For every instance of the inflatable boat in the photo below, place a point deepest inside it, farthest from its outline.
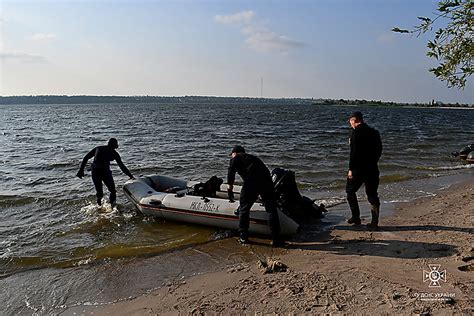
(466, 153)
(180, 200)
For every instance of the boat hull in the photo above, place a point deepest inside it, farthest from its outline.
(180, 206)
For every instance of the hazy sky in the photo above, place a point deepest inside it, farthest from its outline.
(317, 48)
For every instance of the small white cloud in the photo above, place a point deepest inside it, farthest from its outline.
(259, 37)
(241, 17)
(387, 37)
(264, 40)
(43, 37)
(23, 57)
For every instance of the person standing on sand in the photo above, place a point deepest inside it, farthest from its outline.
(101, 172)
(366, 149)
(257, 181)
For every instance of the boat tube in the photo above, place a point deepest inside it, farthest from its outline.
(180, 200)
(470, 157)
(464, 152)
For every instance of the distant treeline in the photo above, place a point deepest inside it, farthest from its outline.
(85, 99)
(433, 103)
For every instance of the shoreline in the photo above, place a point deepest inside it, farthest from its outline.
(339, 270)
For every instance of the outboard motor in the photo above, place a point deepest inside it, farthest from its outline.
(299, 208)
(285, 186)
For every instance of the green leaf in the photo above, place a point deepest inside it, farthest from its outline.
(427, 20)
(398, 30)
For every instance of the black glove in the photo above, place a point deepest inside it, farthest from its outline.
(80, 174)
(230, 194)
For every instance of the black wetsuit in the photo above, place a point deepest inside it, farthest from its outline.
(257, 181)
(366, 149)
(101, 172)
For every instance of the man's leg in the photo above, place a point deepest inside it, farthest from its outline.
(109, 182)
(97, 180)
(268, 199)
(247, 198)
(371, 188)
(352, 186)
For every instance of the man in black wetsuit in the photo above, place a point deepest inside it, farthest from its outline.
(366, 149)
(101, 172)
(257, 181)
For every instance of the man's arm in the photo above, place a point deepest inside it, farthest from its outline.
(378, 145)
(231, 178)
(353, 152)
(91, 154)
(122, 166)
(231, 172)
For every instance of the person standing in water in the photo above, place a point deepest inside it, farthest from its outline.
(366, 149)
(101, 172)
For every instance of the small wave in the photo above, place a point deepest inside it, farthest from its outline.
(15, 200)
(444, 168)
(11, 264)
(39, 181)
(396, 201)
(425, 193)
(84, 262)
(395, 178)
(99, 218)
(31, 307)
(56, 165)
(322, 185)
(104, 210)
(7, 252)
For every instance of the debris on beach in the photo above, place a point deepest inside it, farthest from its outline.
(271, 266)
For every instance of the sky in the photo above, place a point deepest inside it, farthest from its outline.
(297, 48)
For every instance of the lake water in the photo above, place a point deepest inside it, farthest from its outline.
(49, 225)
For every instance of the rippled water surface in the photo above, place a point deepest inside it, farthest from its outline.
(47, 218)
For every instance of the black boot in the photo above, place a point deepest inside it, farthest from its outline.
(374, 224)
(243, 237)
(355, 221)
(354, 206)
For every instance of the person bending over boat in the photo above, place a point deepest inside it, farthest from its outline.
(101, 172)
(366, 149)
(257, 181)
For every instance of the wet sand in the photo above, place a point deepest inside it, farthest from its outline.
(342, 270)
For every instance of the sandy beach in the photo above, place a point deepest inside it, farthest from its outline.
(420, 262)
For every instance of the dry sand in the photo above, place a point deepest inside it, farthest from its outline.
(345, 270)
